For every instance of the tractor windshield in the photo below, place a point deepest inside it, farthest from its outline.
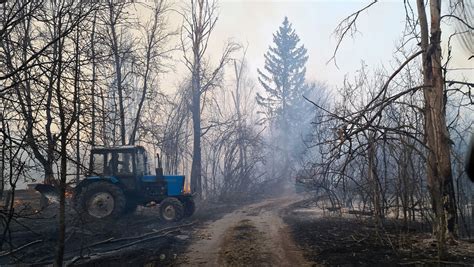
(141, 163)
(122, 163)
(125, 161)
(98, 163)
(111, 163)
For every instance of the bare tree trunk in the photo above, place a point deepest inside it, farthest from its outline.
(78, 103)
(196, 174)
(439, 173)
(198, 35)
(200, 20)
(94, 82)
(404, 178)
(62, 205)
(3, 151)
(118, 68)
(154, 38)
(63, 167)
(103, 116)
(373, 178)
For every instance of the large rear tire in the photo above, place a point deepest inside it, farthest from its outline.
(171, 210)
(101, 200)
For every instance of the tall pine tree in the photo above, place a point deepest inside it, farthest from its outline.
(284, 80)
(282, 102)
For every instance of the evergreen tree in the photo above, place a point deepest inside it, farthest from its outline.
(284, 80)
(282, 102)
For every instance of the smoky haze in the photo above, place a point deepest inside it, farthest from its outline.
(252, 23)
(206, 132)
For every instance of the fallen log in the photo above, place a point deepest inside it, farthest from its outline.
(112, 240)
(113, 250)
(20, 248)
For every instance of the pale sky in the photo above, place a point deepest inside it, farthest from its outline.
(253, 22)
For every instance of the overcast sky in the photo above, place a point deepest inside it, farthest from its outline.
(253, 22)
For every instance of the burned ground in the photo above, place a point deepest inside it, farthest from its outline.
(332, 239)
(244, 234)
(137, 239)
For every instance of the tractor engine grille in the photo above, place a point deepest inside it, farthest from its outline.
(156, 190)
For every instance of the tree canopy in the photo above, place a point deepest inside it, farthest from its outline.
(283, 77)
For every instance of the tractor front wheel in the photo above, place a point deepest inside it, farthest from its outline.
(101, 200)
(171, 209)
(189, 207)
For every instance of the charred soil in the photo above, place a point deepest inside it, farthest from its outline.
(331, 239)
(136, 239)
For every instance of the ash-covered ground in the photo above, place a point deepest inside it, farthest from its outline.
(340, 239)
(134, 240)
(278, 231)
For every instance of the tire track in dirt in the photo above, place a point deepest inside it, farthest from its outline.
(242, 246)
(254, 235)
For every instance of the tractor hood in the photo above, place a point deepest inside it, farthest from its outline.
(174, 183)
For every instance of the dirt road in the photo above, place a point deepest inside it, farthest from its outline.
(254, 235)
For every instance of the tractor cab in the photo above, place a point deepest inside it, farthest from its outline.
(127, 164)
(119, 161)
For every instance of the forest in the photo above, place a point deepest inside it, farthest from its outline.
(133, 134)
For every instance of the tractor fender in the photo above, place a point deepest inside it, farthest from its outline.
(93, 179)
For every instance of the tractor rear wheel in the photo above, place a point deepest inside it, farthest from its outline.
(101, 200)
(171, 209)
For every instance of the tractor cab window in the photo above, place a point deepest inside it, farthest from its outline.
(112, 163)
(141, 164)
(98, 161)
(124, 163)
(109, 164)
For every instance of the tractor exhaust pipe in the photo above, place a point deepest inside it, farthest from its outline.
(159, 167)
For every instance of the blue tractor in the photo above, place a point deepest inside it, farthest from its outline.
(119, 181)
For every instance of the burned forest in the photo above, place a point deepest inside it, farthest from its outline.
(236, 133)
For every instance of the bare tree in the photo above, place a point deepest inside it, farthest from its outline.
(45, 97)
(439, 173)
(435, 141)
(200, 18)
(155, 39)
(119, 51)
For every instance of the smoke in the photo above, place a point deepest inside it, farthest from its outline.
(464, 12)
(287, 151)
